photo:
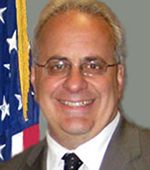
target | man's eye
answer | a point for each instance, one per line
(58, 67)
(94, 66)
(55, 68)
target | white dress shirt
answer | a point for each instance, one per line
(91, 153)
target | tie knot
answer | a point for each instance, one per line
(72, 162)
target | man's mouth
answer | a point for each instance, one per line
(76, 104)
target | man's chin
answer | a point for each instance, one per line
(77, 127)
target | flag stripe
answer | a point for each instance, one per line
(30, 136)
(25, 139)
(17, 144)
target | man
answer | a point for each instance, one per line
(78, 77)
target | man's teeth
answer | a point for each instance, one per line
(76, 104)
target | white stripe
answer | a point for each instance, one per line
(17, 143)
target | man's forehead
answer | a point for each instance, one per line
(73, 18)
(76, 31)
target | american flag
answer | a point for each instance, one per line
(19, 113)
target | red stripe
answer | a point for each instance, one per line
(30, 136)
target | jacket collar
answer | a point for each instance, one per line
(121, 149)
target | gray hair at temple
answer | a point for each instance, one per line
(91, 7)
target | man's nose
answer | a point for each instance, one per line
(75, 81)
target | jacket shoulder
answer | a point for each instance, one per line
(142, 162)
(144, 137)
(25, 159)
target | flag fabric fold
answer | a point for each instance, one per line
(19, 113)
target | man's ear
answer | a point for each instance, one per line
(120, 79)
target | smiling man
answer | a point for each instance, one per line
(76, 95)
(78, 77)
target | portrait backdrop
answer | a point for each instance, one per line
(134, 16)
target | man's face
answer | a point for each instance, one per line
(77, 105)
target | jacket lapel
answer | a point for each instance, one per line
(121, 150)
(37, 158)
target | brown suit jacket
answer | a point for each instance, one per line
(129, 149)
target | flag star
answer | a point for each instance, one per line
(20, 101)
(32, 93)
(1, 13)
(7, 66)
(4, 108)
(12, 42)
(1, 148)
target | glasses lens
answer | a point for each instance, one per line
(94, 67)
(57, 67)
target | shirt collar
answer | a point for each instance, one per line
(93, 156)
(55, 152)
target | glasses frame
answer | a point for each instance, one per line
(80, 67)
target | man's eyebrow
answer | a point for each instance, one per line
(85, 59)
(95, 58)
(58, 57)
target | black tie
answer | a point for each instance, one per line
(72, 162)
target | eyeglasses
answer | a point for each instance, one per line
(62, 66)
